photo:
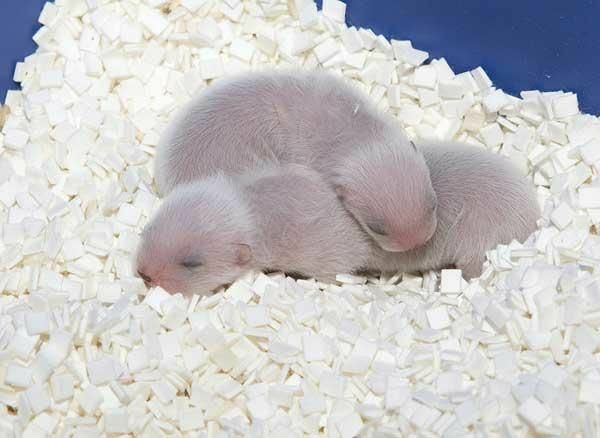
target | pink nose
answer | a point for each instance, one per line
(407, 245)
(146, 278)
(416, 240)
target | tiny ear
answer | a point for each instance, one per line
(243, 254)
(340, 191)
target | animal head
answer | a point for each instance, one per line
(198, 240)
(387, 188)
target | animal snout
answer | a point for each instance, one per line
(412, 239)
(408, 244)
(419, 237)
(147, 279)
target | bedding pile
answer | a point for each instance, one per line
(86, 351)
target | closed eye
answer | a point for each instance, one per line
(377, 228)
(191, 263)
(413, 145)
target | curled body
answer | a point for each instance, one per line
(278, 218)
(210, 232)
(313, 119)
(483, 201)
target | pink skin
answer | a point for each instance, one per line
(283, 218)
(403, 228)
(232, 225)
(482, 201)
(313, 119)
(197, 227)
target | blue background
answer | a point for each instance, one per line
(522, 44)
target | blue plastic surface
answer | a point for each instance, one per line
(522, 44)
(18, 23)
